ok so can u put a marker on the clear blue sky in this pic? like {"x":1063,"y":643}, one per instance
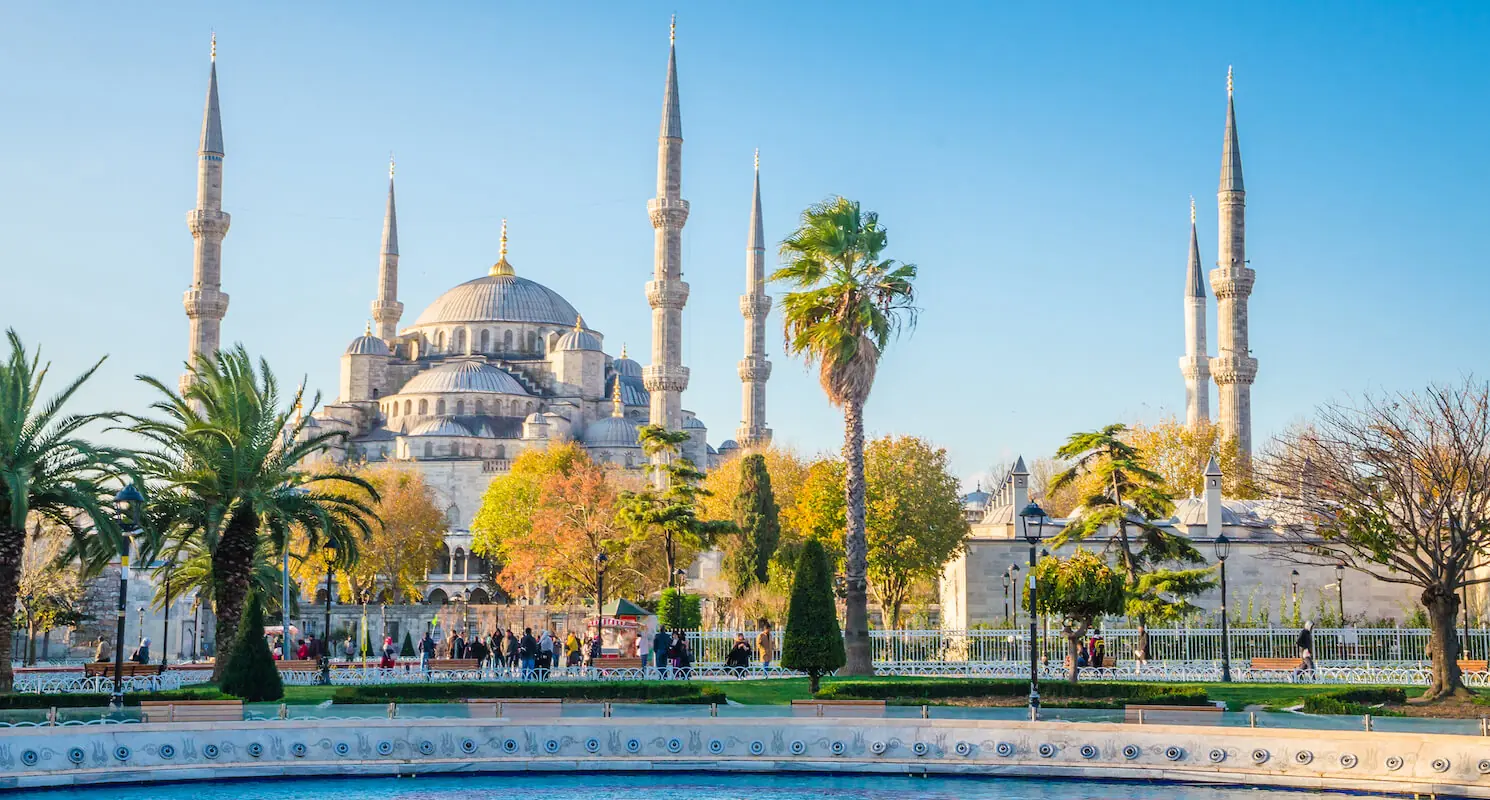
{"x":1034,"y":159}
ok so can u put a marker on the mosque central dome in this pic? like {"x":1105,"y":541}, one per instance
{"x":499,"y":298}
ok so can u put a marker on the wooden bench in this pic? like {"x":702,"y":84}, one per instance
{"x":105,"y":669}
{"x":515,"y":707}
{"x":1474,"y":666}
{"x":1172,"y":715}
{"x":299,"y":665}
{"x":191,"y":710}
{"x":620,"y":663}
{"x":838,"y":708}
{"x":454,"y":663}
{"x":1277,"y":664}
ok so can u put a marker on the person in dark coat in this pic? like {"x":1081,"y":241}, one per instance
{"x":510,"y":650}
{"x":426,"y":650}
{"x":739,"y":654}
{"x":661,"y":643}
{"x":527,"y":652}
{"x":1305,"y":643}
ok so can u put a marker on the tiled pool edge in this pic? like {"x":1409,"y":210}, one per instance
{"x":1447,"y":765}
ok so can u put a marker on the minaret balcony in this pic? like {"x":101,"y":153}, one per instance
{"x":754,"y":369}
{"x":1233,"y":280}
{"x":1233,"y":369}
{"x":755,"y":305}
{"x":665,"y":378}
{"x":209,"y":221}
{"x":667,"y":212}
{"x":667,"y":294}
{"x":209,"y":303}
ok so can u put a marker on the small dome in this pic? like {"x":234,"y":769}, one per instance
{"x":694,"y":424}
{"x":367,"y":345}
{"x":633,"y":390}
{"x":976,"y":500}
{"x":535,"y":418}
{"x":463,"y":376}
{"x":611,"y":432}
{"x":439,"y":426}
{"x":728,"y":444}
{"x":627,"y":368}
{"x":1191,"y":511}
{"x":578,"y":339}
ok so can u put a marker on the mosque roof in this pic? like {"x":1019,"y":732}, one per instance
{"x":693,"y":424}
{"x":439,"y":426}
{"x":499,"y":298}
{"x":611,"y":432}
{"x":367,"y":345}
{"x":633,"y":390}
{"x":463,"y":376}
{"x":578,"y":339}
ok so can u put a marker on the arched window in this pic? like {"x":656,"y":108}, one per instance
{"x":429,"y":449}
{"x":533,"y":342}
{"x":438,"y":597}
{"x":423,"y":407}
{"x":440,"y":407}
{"x":392,"y":409}
{"x":460,"y":407}
{"x":507,"y":341}
{"x":458,"y":341}
{"x":478,"y":597}
{"x":375,"y":394}
{"x":452,"y":515}
{"x":442,"y":560}
{"x":530,"y":406}
{"x":408,"y":406}
{"x":479,"y":409}
{"x":458,"y":564}
{"x":475,"y":567}
{"x":439,"y":341}
{"x":478,"y":450}
{"x":486,"y":341}
{"x":629,"y":462}
{"x":501,"y":451}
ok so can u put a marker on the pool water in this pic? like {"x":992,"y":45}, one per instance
{"x":662,"y":786}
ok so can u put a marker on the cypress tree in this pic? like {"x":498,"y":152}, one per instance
{"x":407,"y":651}
{"x":758,"y":518}
{"x":251,"y":673}
{"x":813,"y":642}
{"x":367,"y":644}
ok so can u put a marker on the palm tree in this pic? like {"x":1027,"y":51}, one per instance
{"x":849,"y":304}
{"x":1123,"y":494}
{"x":46,"y":471}
{"x":227,"y":461}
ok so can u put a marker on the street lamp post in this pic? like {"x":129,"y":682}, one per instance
{"x":600,"y":559}
{"x":1295,"y":576}
{"x":1340,"y":590}
{"x":330,"y":554}
{"x":165,"y":626}
{"x":1034,"y":519}
{"x":1013,"y":573}
{"x":1223,"y":549}
{"x":1006,"y":597}
{"x":128,"y":501}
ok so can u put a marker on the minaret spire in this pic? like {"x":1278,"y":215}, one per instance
{"x":206,"y":304}
{"x":1195,"y":364}
{"x":755,"y":370}
{"x":666,"y":377}
{"x":386,"y":309}
{"x":1234,"y":367}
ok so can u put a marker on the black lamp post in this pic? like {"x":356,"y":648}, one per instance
{"x":1223,"y":549}
{"x":1295,"y":575}
{"x":600,"y":559}
{"x":165,"y":627}
{"x":330,"y":553}
{"x":1013,"y":573}
{"x":1034,"y":519}
{"x":1340,"y":590}
{"x":1006,"y":597}
{"x":128,"y":501}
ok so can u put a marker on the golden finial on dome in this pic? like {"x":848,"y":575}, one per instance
{"x":579,"y":323}
{"x":623,"y":349}
{"x":214,"y":45}
{"x":616,"y":408}
{"x":502,"y":267}
{"x":1229,"y":84}
{"x":367,"y":330}
{"x":672,"y":31}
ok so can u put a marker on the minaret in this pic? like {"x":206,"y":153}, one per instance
{"x":1233,"y":367}
{"x":1195,"y":364}
{"x":386,"y":309}
{"x":205,"y":302}
{"x":755,"y":370}
{"x":666,"y":377}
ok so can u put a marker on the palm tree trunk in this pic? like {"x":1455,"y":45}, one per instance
{"x":856,"y":547}
{"x":232,"y":565}
{"x":12,"y":543}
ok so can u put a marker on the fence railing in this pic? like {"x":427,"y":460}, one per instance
{"x":1165,"y":644}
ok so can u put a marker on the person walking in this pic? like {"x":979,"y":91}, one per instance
{"x":1305,"y":644}
{"x":545,"y":653}
{"x":426,"y":651}
{"x":349,"y":650}
{"x":765,"y":645}
{"x":661,"y":644}
{"x":514,"y":661}
{"x":527,"y":653}
{"x":1141,"y":649}
{"x":390,"y":654}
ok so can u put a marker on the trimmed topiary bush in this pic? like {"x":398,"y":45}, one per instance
{"x":677,"y":610}
{"x":813,"y":642}
{"x":251,"y":673}
{"x":407,"y":651}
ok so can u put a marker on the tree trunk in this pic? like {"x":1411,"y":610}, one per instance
{"x":232,"y":565}
{"x":856,"y":547}
{"x":12,"y":544}
{"x":814,"y":679}
{"x":1073,"y":646}
{"x":1445,"y":679}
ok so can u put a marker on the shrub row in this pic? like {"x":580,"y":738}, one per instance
{"x":619,"y":691}
{"x":102,"y":700}
{"x":1354,"y":701}
{"x":917,"y":692}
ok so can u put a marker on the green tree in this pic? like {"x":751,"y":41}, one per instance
{"x":848,"y":303}
{"x":45,"y":470}
{"x":407,"y":651}
{"x":251,"y":673}
{"x":813,"y":642}
{"x":748,"y":560}
{"x":678,"y":610}
{"x":1076,"y":590}
{"x":671,"y":510}
{"x":228,"y":462}
{"x":915,"y":521}
{"x":1127,"y":495}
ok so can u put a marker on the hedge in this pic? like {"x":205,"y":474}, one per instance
{"x":1355,"y":701}
{"x":916,"y":692}
{"x":101,"y":700}
{"x":619,"y":691}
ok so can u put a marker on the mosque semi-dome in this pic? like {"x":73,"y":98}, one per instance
{"x":611,"y":432}
{"x":578,"y":339}
{"x":463,"y":376}
{"x":499,"y":298}
{"x":439,"y":426}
